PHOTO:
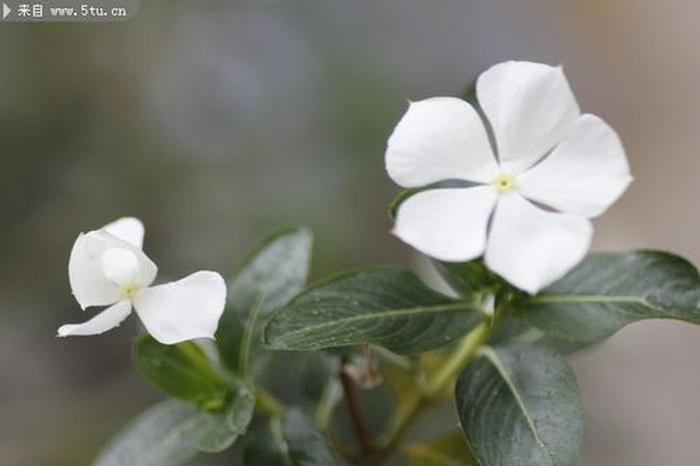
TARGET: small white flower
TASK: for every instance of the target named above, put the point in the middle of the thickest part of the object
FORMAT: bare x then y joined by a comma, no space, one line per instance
527,210
108,268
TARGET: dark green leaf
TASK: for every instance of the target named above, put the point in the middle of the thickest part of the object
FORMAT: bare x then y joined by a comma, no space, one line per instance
467,278
182,371
389,308
229,338
515,330
608,291
519,406
271,274
169,433
294,441
449,450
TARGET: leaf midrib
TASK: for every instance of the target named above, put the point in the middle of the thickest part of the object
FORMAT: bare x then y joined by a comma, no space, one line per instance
492,356
393,313
583,299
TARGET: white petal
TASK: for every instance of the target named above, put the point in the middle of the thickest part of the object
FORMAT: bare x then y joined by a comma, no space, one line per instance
532,248
447,224
90,286
439,139
183,310
584,174
105,320
86,273
129,229
530,107
120,266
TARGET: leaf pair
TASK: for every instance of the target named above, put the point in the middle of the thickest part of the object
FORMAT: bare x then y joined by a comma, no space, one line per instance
210,410
392,308
518,403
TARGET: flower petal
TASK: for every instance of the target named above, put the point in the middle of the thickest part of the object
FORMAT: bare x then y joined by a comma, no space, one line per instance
85,268
90,286
120,266
439,139
530,107
105,320
584,174
129,229
183,310
447,224
532,248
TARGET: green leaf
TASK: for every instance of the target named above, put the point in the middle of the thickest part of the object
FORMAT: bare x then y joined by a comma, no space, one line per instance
271,274
182,371
515,330
240,410
467,278
386,307
293,441
519,405
169,433
449,450
608,291
275,270
229,340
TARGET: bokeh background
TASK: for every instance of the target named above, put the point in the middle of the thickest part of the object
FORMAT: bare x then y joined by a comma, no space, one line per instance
217,121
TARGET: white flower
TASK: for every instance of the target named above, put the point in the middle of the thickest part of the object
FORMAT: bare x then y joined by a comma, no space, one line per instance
527,210
108,268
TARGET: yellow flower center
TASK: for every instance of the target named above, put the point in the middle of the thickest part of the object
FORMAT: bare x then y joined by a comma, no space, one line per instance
504,182
129,290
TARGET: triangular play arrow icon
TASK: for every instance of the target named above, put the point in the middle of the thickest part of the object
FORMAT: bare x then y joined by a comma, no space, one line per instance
5,10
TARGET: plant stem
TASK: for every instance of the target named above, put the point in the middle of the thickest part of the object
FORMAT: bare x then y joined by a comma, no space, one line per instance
445,376
458,359
356,418
268,404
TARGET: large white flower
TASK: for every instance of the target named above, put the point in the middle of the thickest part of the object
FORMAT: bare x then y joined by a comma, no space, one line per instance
527,209
108,268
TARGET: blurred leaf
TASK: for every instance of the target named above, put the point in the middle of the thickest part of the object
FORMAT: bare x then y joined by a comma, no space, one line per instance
276,270
292,441
386,307
272,273
467,278
519,405
169,433
449,450
240,410
182,371
317,369
229,339
608,291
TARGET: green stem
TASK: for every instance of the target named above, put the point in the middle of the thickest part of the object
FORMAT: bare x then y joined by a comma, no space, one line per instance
461,356
445,376
268,404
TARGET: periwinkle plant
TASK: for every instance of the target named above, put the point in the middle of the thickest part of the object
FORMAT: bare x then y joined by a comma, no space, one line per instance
503,208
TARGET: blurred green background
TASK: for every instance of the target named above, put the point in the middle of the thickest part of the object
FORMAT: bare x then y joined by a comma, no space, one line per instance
217,121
